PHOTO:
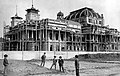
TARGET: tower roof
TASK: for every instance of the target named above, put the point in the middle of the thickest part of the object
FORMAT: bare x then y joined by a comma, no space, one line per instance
32,9
16,17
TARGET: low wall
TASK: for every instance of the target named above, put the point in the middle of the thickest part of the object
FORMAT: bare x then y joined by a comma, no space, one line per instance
28,55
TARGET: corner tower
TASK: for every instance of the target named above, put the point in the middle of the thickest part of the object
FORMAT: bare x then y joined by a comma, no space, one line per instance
32,14
15,19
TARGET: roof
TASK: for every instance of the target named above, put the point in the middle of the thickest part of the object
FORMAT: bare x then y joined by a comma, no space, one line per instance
83,12
32,9
16,17
82,9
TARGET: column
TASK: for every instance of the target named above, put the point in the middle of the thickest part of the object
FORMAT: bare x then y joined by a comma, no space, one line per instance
52,35
77,43
46,39
59,41
36,37
90,40
32,34
105,43
43,34
65,41
26,37
81,42
20,40
40,37
53,42
72,42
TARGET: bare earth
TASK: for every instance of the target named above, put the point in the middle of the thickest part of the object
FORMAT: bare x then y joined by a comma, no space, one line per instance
32,68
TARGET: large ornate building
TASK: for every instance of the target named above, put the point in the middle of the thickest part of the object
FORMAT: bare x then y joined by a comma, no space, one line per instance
81,30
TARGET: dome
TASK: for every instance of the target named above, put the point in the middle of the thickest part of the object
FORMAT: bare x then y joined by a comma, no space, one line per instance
60,14
83,12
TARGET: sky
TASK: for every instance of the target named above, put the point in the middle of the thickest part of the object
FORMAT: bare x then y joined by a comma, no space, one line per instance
49,9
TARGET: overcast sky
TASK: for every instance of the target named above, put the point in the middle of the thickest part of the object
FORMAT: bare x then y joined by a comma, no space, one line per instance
49,9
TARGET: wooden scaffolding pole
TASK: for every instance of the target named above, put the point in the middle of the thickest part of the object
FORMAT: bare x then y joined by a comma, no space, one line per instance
26,37
72,41
46,35
65,40
59,42
36,36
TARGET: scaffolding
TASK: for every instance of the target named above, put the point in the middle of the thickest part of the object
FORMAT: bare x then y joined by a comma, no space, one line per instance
81,30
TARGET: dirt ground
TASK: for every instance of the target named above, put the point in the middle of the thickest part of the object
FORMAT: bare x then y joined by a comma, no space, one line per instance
32,68
88,68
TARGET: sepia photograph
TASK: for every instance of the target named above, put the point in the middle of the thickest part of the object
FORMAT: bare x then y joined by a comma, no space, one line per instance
59,38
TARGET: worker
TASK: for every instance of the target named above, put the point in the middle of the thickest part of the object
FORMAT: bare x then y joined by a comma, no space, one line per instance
61,62
77,65
43,58
54,62
5,63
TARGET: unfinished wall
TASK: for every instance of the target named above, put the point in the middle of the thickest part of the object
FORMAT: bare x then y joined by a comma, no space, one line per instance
28,55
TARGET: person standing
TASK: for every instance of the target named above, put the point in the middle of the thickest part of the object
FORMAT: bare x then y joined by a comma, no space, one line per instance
54,62
5,63
61,62
77,65
43,59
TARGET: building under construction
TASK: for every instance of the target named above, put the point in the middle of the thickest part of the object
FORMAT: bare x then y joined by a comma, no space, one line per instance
81,30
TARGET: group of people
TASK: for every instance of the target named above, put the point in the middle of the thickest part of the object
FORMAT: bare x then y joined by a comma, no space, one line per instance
60,62
43,58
